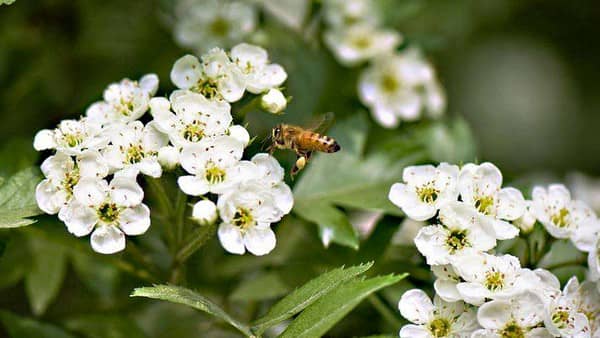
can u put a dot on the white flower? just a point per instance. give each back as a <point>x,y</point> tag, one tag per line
<point>594,262</point>
<point>71,137</point>
<point>212,165</point>
<point>204,212</point>
<point>62,175</point>
<point>586,298</point>
<point>425,190</point>
<point>247,214</point>
<point>527,221</point>
<point>259,74</point>
<point>563,217</point>
<point>445,283</point>
<point>240,134</point>
<point>110,211</point>
<point>168,157</point>
<point>441,243</point>
<point>217,78</point>
<point>488,276</point>
<point>586,189</point>
<point>563,318</point>
<point>360,42</point>
<point>339,13</point>
<point>273,101</point>
<point>194,118</point>
<point>545,284</point>
<point>204,24</point>
<point>124,101</point>
<point>271,174</point>
<point>134,148</point>
<point>399,87</point>
<point>516,317</point>
<point>437,319</point>
<point>481,187</point>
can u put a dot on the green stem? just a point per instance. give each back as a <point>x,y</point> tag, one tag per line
<point>385,311</point>
<point>166,208</point>
<point>179,216</point>
<point>195,240</point>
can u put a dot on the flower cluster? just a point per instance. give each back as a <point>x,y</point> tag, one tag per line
<point>205,24</point>
<point>91,179</point>
<point>395,86</point>
<point>482,294</point>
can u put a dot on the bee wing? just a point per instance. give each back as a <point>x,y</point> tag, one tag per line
<point>323,123</point>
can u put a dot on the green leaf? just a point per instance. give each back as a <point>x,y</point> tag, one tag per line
<point>266,286</point>
<point>308,294</point>
<point>15,261</point>
<point>20,327</point>
<point>451,142</point>
<point>17,199</point>
<point>47,273</point>
<point>105,326</point>
<point>322,315</point>
<point>348,179</point>
<point>96,274</point>
<point>190,298</point>
<point>561,253</point>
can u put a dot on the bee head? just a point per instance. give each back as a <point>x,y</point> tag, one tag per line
<point>276,134</point>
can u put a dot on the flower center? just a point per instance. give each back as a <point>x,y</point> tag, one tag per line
<point>561,218</point>
<point>70,180</point>
<point>484,204</point>
<point>494,280</point>
<point>108,213</point>
<point>439,327</point>
<point>560,318</point>
<point>243,219</point>
<point>361,42</point>
<point>73,140</point>
<point>457,240</point>
<point>207,87</point>
<point>194,131</point>
<point>512,330</point>
<point>134,154</point>
<point>219,27</point>
<point>214,174</point>
<point>427,194</point>
<point>125,107</point>
<point>389,83</point>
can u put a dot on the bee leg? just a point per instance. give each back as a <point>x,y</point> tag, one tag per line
<point>299,165</point>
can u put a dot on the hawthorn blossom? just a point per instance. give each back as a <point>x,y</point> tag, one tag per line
<point>445,283</point>
<point>259,74</point>
<point>124,101</point>
<point>205,212</point>
<point>217,78</point>
<point>563,317</point>
<point>425,190</point>
<point>204,24</point>
<point>273,101</point>
<point>211,163</point>
<point>594,262</point>
<point>134,149</point>
<point>515,317</point>
<point>340,13</point>
<point>189,117</point>
<point>437,319</point>
<point>400,86</point>
<point>586,298</point>
<point>71,137</point>
<point>360,42</point>
<point>62,174</point>
<point>490,277</point>
<point>564,217</point>
<point>108,211</point>
<point>481,187</point>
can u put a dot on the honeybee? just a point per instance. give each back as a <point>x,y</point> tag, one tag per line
<point>303,141</point>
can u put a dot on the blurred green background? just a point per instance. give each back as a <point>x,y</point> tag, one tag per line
<point>522,73</point>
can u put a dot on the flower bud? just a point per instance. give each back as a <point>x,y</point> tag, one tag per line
<point>527,221</point>
<point>239,133</point>
<point>168,157</point>
<point>273,101</point>
<point>204,212</point>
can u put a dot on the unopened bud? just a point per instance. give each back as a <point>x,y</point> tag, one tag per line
<point>239,133</point>
<point>273,101</point>
<point>204,212</point>
<point>168,157</point>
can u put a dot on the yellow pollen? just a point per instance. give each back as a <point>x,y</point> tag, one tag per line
<point>439,327</point>
<point>560,219</point>
<point>494,280</point>
<point>427,194</point>
<point>484,204</point>
<point>243,219</point>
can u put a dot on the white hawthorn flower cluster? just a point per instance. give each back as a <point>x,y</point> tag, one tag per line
<point>91,178</point>
<point>483,294</point>
<point>395,86</point>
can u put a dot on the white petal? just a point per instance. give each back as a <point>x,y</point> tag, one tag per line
<point>44,140</point>
<point>231,239</point>
<point>193,185</point>
<point>149,84</point>
<point>49,198</point>
<point>404,197</point>
<point>150,167</point>
<point>414,331</point>
<point>472,293</point>
<point>511,204</point>
<point>446,289</point>
<point>79,219</point>
<point>135,221</point>
<point>126,192</point>
<point>107,240</point>
<point>259,242</point>
<point>92,164</point>
<point>186,72</point>
<point>284,199</point>
<point>416,306</point>
<point>495,314</point>
<point>90,191</point>
<point>240,134</point>
<point>205,212</point>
